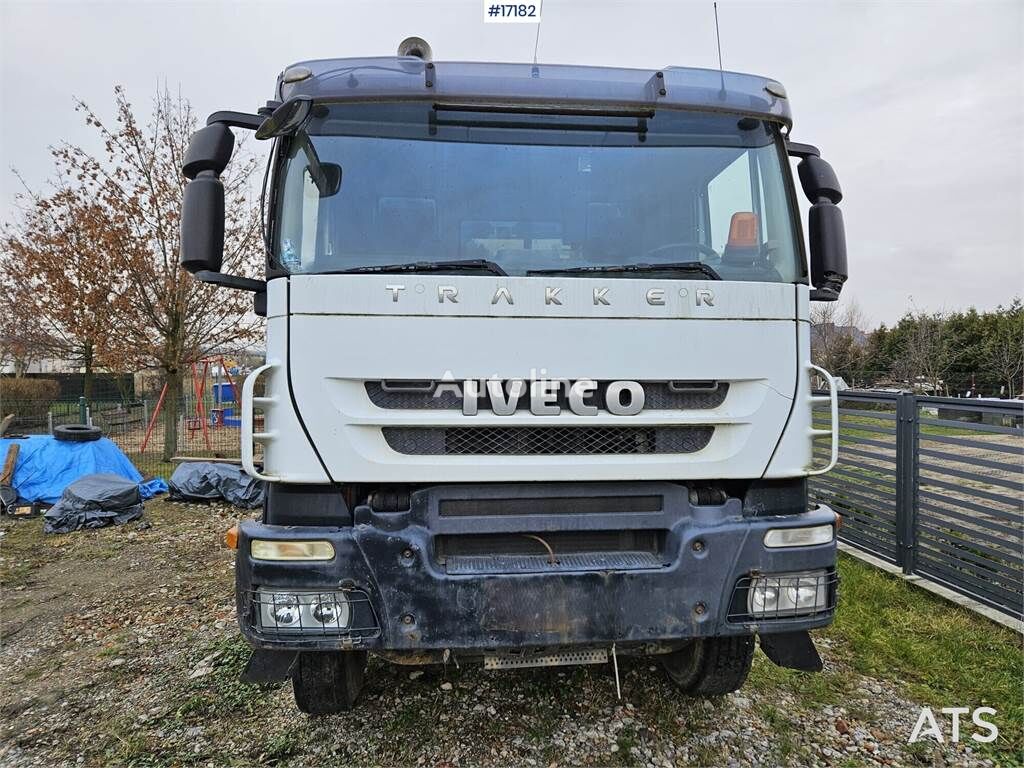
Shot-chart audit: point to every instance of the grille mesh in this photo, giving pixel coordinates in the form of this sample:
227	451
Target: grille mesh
413	401
657	396
533	441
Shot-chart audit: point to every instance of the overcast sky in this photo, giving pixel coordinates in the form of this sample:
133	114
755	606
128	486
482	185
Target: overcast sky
918	105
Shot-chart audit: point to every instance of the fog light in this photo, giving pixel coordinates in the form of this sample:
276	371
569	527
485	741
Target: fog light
799	537
304	611
285	610
802	595
327	612
261	549
764	599
788	594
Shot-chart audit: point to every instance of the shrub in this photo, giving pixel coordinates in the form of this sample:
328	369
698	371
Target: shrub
28	399
29	389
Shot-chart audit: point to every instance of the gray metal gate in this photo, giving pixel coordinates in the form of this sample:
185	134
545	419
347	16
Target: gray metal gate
934	485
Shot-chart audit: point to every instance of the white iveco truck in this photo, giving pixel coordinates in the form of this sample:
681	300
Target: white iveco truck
537	387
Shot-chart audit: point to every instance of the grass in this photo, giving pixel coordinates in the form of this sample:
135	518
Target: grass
781	726
150	465
222	693
943	655
24	550
939	654
625	740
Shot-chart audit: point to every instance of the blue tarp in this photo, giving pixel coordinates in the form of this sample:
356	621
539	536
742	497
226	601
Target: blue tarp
47	466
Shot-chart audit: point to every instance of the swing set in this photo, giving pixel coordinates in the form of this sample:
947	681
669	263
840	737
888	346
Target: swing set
198	421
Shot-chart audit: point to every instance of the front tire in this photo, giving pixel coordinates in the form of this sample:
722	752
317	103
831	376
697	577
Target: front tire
328	682
711	666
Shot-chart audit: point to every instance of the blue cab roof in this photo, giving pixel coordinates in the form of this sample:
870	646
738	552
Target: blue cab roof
408	77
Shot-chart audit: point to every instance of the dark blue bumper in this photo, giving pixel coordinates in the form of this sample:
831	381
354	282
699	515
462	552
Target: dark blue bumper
407	599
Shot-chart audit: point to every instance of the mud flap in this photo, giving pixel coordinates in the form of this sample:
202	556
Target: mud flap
269	666
794	650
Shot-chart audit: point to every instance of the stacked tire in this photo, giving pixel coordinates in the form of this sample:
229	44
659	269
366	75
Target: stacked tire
77	433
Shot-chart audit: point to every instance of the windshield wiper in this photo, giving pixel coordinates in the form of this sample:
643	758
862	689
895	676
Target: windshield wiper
459	265
695	267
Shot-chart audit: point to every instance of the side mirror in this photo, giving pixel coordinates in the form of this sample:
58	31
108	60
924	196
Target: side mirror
209	149
826	232
329	181
202	203
286	119
202	224
827	239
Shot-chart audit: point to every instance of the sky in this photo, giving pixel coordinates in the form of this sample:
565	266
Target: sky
919	106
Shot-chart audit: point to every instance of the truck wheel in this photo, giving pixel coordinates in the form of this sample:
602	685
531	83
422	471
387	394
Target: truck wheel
711	666
328	682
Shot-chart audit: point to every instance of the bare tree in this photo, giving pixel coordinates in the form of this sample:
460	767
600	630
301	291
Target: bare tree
835	342
23	338
137	179
927	353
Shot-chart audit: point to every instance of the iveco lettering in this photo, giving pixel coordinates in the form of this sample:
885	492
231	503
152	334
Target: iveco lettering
436	231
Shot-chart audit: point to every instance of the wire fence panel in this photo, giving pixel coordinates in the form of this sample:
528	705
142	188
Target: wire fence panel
209	430
941	494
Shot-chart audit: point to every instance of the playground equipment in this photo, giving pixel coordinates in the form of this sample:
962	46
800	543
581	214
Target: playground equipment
198	420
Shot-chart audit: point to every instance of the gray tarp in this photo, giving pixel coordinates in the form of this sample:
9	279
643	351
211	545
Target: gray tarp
210	480
93	502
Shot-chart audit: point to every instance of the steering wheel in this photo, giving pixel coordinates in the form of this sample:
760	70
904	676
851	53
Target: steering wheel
706	250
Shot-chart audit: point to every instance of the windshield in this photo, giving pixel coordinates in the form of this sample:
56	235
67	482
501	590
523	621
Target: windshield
367	185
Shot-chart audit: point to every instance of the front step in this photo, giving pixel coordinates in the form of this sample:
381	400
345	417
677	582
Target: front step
567	658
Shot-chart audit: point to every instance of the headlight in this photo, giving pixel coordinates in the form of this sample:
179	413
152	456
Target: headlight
788	594
303	611
799	537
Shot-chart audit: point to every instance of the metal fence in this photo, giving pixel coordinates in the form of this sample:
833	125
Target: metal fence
933	485
209	430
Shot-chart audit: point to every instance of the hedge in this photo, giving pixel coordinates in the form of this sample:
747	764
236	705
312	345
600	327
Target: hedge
28	399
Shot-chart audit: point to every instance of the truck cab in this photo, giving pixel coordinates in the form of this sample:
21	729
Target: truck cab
538	381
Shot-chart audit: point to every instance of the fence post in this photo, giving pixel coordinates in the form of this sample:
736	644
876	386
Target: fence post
81	410
49	422
906	481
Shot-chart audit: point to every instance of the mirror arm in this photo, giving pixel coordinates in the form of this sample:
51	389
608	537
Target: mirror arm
795	149
315	169
236	119
824	294
231	281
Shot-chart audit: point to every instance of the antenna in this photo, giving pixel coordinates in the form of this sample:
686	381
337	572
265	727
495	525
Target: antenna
536	40
721	72
718	39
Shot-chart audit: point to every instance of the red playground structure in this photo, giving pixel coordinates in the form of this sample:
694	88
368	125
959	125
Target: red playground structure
198	420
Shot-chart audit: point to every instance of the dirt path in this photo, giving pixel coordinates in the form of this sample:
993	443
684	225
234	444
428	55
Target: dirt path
119	648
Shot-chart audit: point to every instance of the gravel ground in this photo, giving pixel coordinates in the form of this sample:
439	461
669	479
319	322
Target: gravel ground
119	648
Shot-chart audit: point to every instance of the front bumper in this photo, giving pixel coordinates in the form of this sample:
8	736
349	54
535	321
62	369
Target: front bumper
406	601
